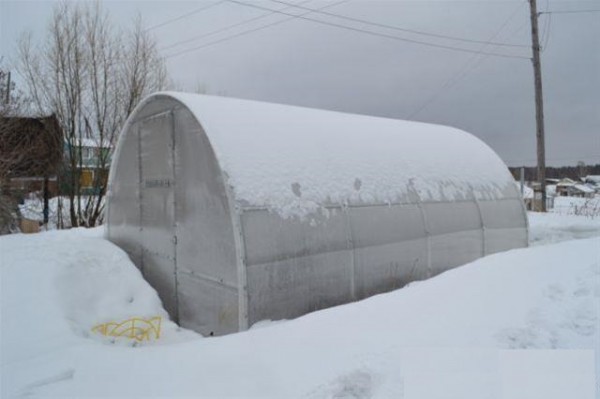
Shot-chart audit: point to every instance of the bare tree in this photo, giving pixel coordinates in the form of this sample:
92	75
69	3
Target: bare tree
91	75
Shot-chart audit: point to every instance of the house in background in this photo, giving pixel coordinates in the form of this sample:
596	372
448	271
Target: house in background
571	188
92	158
593	181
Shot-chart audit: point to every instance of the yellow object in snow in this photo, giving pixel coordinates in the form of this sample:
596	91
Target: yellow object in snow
134	328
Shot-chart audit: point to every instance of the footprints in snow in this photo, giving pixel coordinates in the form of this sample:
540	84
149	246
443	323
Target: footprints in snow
567	314
358	384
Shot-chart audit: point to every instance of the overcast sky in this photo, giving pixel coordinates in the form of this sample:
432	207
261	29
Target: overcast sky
305	63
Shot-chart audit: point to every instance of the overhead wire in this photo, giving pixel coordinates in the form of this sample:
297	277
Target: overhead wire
393	27
248	31
376	34
467	67
545	25
570	12
224	29
187	14
546	37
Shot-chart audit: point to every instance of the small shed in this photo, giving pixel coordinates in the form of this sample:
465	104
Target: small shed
238	211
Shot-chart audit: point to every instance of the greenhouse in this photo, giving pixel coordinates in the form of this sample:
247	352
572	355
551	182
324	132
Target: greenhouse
238	211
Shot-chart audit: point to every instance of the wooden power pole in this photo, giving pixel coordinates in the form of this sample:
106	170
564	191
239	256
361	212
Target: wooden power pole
539	102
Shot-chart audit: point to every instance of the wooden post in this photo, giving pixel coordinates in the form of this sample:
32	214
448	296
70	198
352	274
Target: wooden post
522	179
539	102
46	195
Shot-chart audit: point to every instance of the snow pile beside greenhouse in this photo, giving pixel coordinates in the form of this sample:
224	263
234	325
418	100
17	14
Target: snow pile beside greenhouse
459	334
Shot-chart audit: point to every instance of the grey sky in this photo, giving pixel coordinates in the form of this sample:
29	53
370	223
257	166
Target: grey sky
304	63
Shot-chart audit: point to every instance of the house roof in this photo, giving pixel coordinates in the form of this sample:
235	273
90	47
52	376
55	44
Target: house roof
566	182
584	188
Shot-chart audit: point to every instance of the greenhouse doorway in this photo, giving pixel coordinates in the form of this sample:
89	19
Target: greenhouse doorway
157	207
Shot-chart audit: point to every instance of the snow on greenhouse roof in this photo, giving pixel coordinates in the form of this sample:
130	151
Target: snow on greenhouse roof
293	160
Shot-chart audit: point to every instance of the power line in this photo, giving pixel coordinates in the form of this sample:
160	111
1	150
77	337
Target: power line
569	12
545	28
547	34
226	28
546	31
416	32
465	69
187	14
248	31
371	33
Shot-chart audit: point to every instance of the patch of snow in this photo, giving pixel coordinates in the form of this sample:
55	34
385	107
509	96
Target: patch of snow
294	160
92	143
33	209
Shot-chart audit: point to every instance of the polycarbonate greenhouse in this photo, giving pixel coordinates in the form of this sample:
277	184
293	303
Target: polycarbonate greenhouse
238	211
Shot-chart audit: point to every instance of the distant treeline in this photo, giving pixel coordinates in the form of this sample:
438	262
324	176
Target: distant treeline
572	172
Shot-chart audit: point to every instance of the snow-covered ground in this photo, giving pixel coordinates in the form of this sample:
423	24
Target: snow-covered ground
547	228
519	324
33	209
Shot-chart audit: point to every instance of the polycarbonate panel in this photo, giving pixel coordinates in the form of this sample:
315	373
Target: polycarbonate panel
503	214
388	267
378	225
269	238
158	207
450	217
207	307
506	190
204	228
292	287
390	247
123	209
206	253
498	240
455	249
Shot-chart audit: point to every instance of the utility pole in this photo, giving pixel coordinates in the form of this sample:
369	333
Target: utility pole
539	102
